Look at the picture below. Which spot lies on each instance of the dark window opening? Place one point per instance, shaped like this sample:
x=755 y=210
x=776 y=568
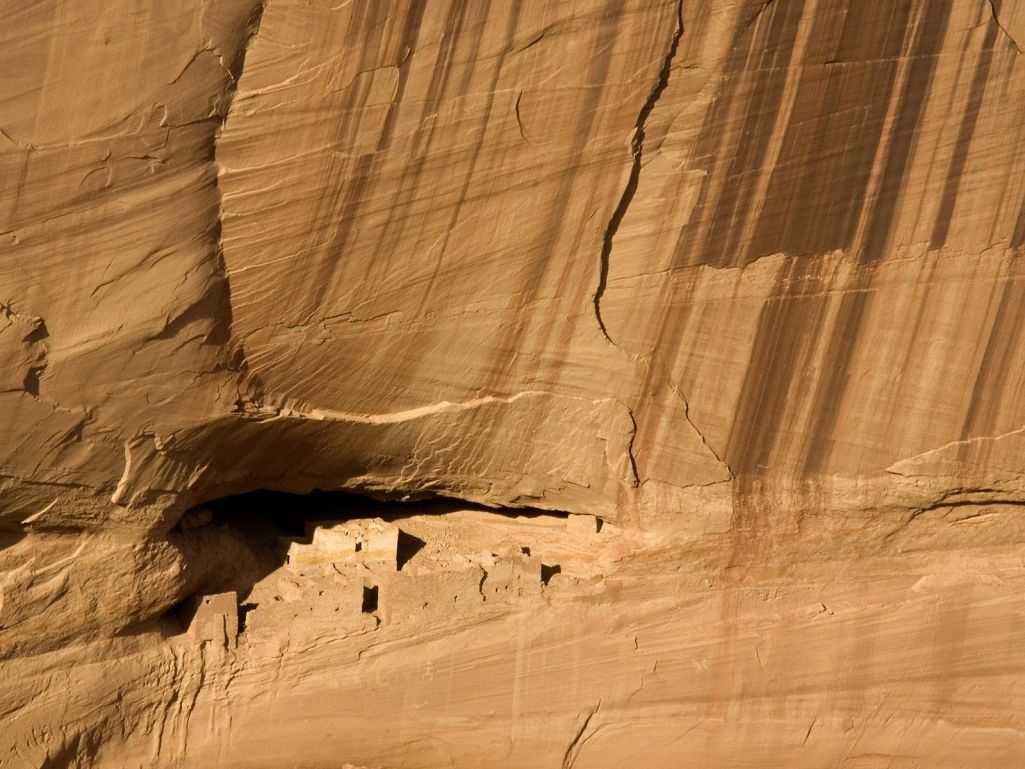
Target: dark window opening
x=243 y=611
x=369 y=599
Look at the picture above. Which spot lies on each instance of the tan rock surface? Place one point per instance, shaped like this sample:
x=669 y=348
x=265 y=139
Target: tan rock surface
x=741 y=279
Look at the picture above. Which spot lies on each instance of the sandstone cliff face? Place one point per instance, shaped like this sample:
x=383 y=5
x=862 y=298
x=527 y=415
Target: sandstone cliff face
x=739 y=278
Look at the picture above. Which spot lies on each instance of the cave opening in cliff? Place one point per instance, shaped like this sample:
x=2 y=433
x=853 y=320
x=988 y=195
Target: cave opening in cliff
x=259 y=513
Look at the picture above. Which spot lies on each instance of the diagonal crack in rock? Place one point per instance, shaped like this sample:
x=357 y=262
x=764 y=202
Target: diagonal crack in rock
x=993 y=8
x=637 y=150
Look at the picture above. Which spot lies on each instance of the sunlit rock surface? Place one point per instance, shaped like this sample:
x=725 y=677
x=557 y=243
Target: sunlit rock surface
x=739 y=279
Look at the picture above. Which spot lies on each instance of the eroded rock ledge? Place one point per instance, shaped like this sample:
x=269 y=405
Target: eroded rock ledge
x=741 y=280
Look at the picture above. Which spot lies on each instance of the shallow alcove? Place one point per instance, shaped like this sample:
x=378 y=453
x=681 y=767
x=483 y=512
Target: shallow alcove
x=345 y=555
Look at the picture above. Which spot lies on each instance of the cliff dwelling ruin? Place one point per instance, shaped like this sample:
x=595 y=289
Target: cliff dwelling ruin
x=358 y=563
x=494 y=384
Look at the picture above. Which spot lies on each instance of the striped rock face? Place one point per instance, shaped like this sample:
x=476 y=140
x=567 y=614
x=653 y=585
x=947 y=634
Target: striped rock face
x=740 y=278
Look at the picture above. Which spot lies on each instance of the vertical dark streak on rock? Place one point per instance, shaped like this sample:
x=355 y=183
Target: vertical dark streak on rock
x=637 y=150
x=855 y=303
x=1018 y=236
x=994 y=374
x=959 y=160
x=751 y=22
x=777 y=369
x=586 y=114
x=220 y=295
x=790 y=328
x=342 y=205
x=464 y=87
x=833 y=130
x=904 y=135
x=711 y=235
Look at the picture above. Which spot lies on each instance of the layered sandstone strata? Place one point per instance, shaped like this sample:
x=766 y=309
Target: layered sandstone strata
x=739 y=278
